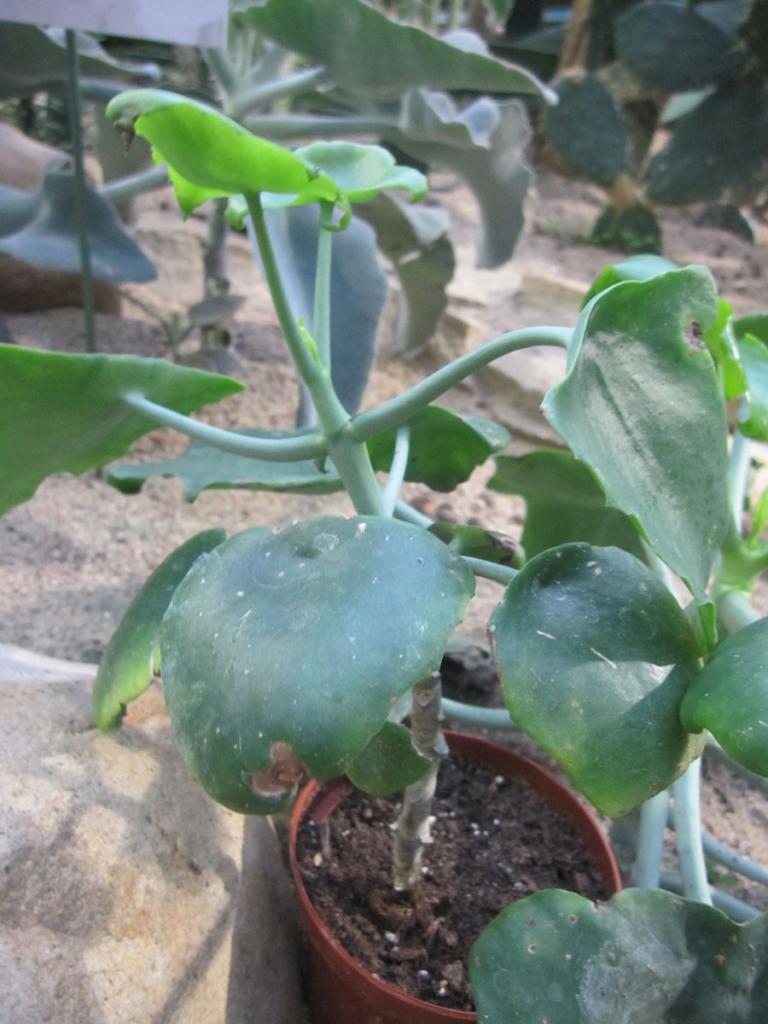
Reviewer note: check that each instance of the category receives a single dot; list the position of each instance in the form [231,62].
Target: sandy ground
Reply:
[72,558]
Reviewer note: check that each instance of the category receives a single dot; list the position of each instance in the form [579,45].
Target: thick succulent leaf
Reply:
[65,413]
[586,130]
[389,763]
[132,655]
[363,50]
[41,227]
[641,406]
[730,697]
[203,468]
[595,656]
[671,48]
[631,229]
[286,650]
[720,339]
[564,502]
[358,291]
[633,268]
[485,144]
[752,341]
[362,172]
[444,448]
[32,59]
[416,241]
[209,151]
[646,957]
[475,542]
[727,134]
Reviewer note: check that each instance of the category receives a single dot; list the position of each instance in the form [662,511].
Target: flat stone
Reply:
[127,896]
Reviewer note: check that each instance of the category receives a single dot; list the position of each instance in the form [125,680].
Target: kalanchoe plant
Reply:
[599,662]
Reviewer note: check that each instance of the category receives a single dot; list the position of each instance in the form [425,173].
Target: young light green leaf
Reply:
[66,414]
[202,468]
[564,503]
[361,172]
[207,153]
[646,957]
[389,763]
[364,50]
[285,651]
[595,656]
[729,697]
[444,448]
[752,342]
[131,656]
[641,405]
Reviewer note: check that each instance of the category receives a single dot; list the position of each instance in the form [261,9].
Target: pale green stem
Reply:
[687,810]
[349,456]
[409,514]
[503,574]
[650,841]
[321,314]
[221,67]
[291,126]
[474,717]
[395,412]
[723,855]
[135,184]
[262,94]
[738,474]
[736,909]
[397,469]
[412,829]
[282,449]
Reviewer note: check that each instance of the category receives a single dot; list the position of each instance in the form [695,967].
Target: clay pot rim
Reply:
[583,816]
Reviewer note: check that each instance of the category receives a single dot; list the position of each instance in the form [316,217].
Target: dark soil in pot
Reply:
[496,840]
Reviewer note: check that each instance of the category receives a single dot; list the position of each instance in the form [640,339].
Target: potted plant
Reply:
[300,652]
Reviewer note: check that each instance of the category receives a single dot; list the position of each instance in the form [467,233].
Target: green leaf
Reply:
[633,268]
[730,697]
[389,763]
[444,448]
[485,143]
[32,60]
[415,239]
[595,656]
[41,227]
[641,405]
[754,360]
[646,957]
[364,51]
[208,151]
[564,502]
[586,130]
[285,651]
[202,468]
[358,291]
[727,135]
[671,48]
[721,342]
[131,657]
[362,172]
[631,229]
[756,325]
[475,542]
[66,414]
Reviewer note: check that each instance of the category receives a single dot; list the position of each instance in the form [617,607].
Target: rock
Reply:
[24,161]
[125,893]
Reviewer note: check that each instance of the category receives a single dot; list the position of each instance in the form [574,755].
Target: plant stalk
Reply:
[413,826]
[307,126]
[321,312]
[397,469]
[135,184]
[263,94]
[280,449]
[650,841]
[215,279]
[687,810]
[396,411]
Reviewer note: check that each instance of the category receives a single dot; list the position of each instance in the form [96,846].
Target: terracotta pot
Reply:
[340,990]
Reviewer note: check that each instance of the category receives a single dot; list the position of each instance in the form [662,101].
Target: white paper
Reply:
[192,22]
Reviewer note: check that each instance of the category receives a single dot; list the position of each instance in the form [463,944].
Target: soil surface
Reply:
[495,841]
